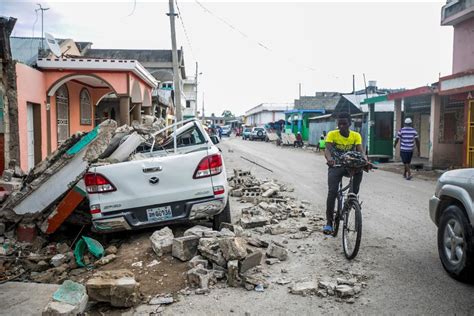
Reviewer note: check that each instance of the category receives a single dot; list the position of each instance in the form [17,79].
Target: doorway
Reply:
[62,114]
[33,134]
[425,136]
[470,135]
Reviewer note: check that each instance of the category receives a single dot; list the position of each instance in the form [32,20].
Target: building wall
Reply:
[463,46]
[262,118]
[316,129]
[30,88]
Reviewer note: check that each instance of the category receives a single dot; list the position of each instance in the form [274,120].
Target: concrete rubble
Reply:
[162,241]
[117,287]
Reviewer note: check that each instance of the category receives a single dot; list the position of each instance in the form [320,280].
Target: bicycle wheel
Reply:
[352,229]
[336,220]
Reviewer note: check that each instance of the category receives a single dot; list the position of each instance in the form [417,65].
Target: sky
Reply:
[259,52]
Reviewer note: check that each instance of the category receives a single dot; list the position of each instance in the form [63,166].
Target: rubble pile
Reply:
[345,289]
[271,205]
[38,203]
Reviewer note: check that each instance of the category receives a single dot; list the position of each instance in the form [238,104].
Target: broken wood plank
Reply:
[65,208]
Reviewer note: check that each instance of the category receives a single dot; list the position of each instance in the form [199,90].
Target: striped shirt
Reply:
[407,137]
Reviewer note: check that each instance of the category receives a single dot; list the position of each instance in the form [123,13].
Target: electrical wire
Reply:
[184,30]
[33,32]
[259,43]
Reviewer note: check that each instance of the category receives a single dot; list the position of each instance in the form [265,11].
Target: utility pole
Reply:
[177,81]
[42,23]
[196,83]
[203,116]
[300,89]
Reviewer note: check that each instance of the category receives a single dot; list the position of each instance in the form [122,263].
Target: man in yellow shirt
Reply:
[338,142]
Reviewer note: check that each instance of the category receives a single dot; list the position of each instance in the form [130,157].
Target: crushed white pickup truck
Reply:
[180,178]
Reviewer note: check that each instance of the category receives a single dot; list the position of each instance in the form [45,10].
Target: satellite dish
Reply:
[52,44]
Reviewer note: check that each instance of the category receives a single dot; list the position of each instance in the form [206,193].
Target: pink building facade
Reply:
[60,98]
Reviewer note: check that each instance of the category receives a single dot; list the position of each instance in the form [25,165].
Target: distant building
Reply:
[265,113]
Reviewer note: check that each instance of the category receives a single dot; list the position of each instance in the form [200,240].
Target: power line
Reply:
[259,43]
[185,31]
[33,32]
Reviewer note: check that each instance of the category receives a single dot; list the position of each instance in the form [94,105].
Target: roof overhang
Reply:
[113,65]
[305,111]
[373,100]
[457,17]
[457,83]
[411,93]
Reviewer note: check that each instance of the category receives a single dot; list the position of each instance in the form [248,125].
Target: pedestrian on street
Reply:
[321,143]
[408,137]
[338,142]
[299,140]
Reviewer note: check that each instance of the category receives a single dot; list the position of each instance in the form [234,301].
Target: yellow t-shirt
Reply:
[343,144]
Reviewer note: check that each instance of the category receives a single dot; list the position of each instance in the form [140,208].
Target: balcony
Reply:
[456,11]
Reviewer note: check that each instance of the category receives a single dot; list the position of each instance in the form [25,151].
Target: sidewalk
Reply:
[18,298]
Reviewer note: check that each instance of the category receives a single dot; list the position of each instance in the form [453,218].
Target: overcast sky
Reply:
[251,53]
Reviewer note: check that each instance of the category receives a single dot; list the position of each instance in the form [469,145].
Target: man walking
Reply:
[408,138]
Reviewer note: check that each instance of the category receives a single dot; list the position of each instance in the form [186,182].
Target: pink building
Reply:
[459,87]
[60,98]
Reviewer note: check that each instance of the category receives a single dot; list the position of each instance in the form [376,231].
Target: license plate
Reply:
[159,213]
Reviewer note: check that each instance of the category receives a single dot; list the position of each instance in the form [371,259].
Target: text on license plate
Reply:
[159,213]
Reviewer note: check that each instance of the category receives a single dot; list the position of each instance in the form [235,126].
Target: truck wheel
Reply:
[455,246]
[222,217]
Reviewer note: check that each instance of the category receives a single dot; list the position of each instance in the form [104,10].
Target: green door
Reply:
[383,138]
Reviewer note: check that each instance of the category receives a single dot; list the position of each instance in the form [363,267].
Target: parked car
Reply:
[226,130]
[452,210]
[159,187]
[258,133]
[246,133]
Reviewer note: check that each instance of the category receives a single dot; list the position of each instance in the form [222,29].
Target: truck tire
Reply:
[454,230]
[222,217]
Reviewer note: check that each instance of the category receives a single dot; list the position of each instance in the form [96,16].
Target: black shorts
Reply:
[406,156]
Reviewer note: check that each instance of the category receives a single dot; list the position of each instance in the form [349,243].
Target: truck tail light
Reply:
[97,183]
[95,209]
[209,166]
[219,189]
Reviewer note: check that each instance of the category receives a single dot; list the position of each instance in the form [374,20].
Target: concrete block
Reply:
[252,260]
[275,250]
[233,248]
[162,241]
[197,230]
[117,287]
[233,278]
[185,248]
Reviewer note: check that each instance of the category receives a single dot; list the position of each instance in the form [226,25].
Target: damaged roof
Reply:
[321,101]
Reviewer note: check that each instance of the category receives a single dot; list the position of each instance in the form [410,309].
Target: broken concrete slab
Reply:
[276,250]
[253,221]
[117,287]
[162,241]
[185,248]
[304,288]
[233,248]
[198,260]
[197,230]
[16,298]
[344,290]
[251,261]
[69,299]
[209,248]
[106,260]
[58,178]
[60,309]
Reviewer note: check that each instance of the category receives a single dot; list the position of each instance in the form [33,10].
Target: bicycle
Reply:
[348,205]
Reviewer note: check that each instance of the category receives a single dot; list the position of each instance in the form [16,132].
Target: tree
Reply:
[227,114]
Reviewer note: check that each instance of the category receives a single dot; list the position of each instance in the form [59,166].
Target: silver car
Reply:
[452,210]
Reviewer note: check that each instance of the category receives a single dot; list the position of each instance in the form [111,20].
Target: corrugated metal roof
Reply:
[25,49]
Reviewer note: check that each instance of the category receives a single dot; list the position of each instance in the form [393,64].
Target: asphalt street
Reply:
[398,252]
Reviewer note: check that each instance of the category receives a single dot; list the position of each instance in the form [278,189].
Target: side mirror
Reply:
[215,139]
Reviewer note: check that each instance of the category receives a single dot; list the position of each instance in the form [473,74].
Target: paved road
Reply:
[398,251]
